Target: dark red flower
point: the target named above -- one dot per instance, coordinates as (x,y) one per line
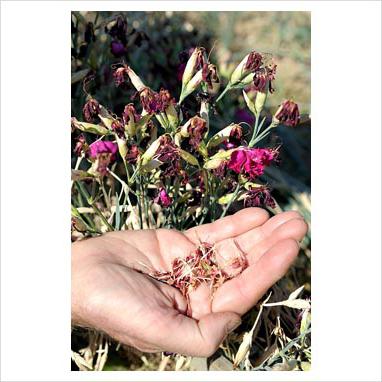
(254,61)
(164,99)
(288,113)
(251,162)
(81,145)
(262,79)
(235,137)
(132,154)
(117,28)
(259,197)
(118,127)
(210,75)
(90,109)
(168,153)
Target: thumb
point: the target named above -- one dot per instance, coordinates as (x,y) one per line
(202,338)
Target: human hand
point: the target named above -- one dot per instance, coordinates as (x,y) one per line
(112,293)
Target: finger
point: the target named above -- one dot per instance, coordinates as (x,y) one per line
(229,226)
(242,293)
(201,338)
(249,239)
(292,229)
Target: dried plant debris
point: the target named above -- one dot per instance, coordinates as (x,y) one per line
(201,266)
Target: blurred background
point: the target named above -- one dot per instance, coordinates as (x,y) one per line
(157,45)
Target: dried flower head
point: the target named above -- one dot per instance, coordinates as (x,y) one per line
(288,113)
(262,79)
(199,267)
(196,130)
(90,109)
(130,114)
(168,154)
(259,197)
(120,75)
(210,77)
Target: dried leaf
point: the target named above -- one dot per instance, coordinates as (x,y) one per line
(243,349)
(295,304)
(80,362)
(80,175)
(295,294)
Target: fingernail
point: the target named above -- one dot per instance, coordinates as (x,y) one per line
(232,325)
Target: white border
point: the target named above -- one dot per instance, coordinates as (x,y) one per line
(346,171)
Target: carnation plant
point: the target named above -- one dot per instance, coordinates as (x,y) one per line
(158,165)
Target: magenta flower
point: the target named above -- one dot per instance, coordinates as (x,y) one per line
(102,147)
(259,197)
(163,199)
(251,162)
(103,152)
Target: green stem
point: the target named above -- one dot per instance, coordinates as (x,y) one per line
(91,202)
(228,87)
(231,201)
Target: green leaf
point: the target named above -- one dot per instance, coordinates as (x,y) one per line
(80,75)
(90,128)
(188,157)
(81,175)
(117,213)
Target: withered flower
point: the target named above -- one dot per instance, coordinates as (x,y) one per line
(81,145)
(120,75)
(210,77)
(196,130)
(262,79)
(259,197)
(168,154)
(132,154)
(130,114)
(90,109)
(288,113)
(249,64)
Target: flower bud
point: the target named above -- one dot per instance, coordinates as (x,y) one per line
(135,80)
(191,86)
(193,64)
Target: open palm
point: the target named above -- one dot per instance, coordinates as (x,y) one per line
(112,292)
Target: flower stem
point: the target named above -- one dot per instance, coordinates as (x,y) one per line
(228,87)
(231,201)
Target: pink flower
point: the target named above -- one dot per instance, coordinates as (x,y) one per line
(251,162)
(163,199)
(104,153)
(102,147)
